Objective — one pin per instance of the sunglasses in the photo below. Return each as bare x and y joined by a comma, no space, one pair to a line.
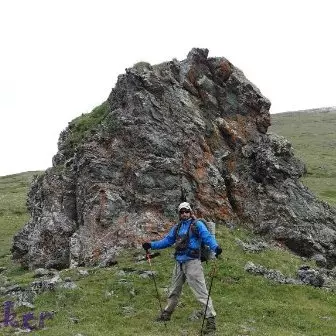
184,211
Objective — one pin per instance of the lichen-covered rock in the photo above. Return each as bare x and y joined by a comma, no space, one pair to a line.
194,130
305,275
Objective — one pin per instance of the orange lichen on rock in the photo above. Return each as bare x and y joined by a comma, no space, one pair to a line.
225,69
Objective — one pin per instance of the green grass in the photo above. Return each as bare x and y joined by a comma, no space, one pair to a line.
108,302
313,136
85,124
13,211
13,193
246,304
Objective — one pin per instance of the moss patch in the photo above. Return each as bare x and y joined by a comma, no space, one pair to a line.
86,124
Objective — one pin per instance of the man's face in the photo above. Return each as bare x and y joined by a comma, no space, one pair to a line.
185,213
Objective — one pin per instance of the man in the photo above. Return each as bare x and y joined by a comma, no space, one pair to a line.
188,235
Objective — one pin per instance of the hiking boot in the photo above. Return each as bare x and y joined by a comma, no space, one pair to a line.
210,326
164,316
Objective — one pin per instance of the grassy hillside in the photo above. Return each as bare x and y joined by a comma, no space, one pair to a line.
313,136
13,211
120,300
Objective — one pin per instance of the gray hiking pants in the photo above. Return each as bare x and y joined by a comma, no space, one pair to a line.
192,271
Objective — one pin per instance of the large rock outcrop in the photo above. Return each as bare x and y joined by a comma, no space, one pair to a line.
194,130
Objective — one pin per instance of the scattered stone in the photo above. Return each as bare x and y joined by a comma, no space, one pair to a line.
128,310
147,274
123,281
24,304
83,272
132,292
42,286
254,246
142,273
139,258
25,298
40,272
109,259
68,285
273,275
21,331
3,280
108,294
320,260
310,276
74,319
306,275
13,289
231,225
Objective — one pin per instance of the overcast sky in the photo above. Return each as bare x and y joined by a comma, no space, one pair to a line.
59,59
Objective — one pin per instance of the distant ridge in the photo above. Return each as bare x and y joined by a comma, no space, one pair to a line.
28,173
331,109
313,137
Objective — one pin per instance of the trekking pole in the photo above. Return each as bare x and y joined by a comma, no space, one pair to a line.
157,291
213,272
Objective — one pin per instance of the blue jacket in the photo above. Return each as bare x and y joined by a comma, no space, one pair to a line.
194,242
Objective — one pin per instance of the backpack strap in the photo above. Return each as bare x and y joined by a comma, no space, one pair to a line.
177,229
204,249
194,228
186,238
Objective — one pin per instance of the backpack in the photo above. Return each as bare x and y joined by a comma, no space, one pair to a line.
182,241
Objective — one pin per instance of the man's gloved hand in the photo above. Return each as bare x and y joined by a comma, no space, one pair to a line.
146,246
218,251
